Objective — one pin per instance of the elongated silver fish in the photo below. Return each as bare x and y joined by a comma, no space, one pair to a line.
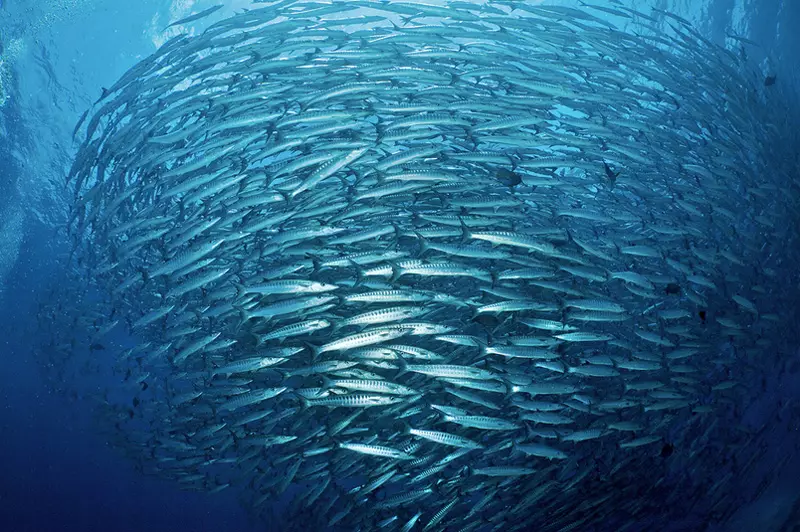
515,250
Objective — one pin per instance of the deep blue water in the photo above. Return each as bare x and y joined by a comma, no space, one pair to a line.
57,472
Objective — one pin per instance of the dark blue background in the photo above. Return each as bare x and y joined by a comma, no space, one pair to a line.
56,471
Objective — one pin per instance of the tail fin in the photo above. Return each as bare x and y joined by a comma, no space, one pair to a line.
403,367
241,290
380,131
509,389
315,350
397,271
244,316
466,234
103,95
304,402
316,261
397,234
359,273
255,337
423,244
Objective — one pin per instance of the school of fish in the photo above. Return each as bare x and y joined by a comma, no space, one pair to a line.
434,266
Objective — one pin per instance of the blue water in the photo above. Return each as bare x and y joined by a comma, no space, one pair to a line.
57,471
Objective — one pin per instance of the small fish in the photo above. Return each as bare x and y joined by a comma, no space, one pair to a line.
196,16
433,265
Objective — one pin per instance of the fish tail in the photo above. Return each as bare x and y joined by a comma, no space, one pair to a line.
424,245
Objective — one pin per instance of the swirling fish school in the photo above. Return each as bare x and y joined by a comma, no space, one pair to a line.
435,264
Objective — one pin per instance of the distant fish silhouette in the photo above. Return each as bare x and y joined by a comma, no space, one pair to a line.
610,174
672,288
487,321
770,80
197,16
508,178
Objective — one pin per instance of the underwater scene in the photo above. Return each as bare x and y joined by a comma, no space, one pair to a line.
400,265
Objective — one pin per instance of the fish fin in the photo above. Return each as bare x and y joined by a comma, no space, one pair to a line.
314,350
509,389
343,178
241,290
475,313
255,337
441,419
495,329
243,315
380,131
466,234
103,94
397,234
423,244
403,367
316,261
289,195
514,442
483,346
304,402
359,273
397,271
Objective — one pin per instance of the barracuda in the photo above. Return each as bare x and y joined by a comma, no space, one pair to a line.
451,177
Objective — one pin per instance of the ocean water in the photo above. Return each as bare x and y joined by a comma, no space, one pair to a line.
58,467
